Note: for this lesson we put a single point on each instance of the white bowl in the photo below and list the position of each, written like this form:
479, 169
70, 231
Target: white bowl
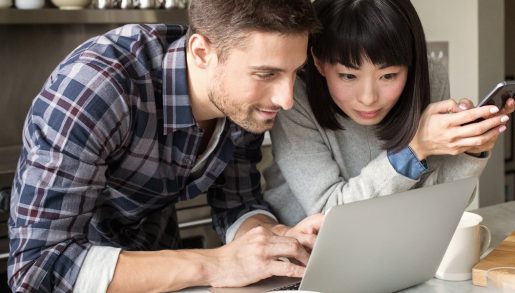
29, 4
71, 4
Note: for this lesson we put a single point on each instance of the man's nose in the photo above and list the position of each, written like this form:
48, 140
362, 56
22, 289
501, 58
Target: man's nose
283, 95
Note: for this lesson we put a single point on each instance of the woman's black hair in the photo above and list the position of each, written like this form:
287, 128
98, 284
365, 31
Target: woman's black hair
386, 32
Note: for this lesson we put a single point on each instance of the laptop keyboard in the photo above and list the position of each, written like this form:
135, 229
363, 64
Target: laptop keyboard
294, 286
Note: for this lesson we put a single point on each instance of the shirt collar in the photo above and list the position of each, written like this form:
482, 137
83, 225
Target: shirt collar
177, 112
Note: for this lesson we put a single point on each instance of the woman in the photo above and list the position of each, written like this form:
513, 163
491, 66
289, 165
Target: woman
362, 125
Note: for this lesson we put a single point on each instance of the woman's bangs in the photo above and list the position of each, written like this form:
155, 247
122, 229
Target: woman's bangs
370, 35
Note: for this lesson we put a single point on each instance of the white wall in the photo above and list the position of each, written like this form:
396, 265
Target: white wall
475, 32
454, 21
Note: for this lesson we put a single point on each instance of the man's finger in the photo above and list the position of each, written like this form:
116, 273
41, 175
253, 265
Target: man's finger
287, 247
307, 240
287, 269
311, 224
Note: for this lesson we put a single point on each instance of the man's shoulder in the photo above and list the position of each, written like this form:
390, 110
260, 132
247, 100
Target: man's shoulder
146, 43
143, 33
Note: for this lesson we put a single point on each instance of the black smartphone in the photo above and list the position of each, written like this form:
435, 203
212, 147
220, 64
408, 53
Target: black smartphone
499, 95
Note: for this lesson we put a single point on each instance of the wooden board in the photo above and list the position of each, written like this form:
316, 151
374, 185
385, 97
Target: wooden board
502, 256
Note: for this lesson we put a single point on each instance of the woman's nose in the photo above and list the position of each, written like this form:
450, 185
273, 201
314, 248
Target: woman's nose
368, 95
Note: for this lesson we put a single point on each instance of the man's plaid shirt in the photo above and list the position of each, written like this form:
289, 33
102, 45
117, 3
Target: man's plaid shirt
108, 147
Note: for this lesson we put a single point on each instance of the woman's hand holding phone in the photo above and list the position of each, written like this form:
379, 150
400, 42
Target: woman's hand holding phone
450, 128
509, 107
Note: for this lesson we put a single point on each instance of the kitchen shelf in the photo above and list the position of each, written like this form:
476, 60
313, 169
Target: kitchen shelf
92, 16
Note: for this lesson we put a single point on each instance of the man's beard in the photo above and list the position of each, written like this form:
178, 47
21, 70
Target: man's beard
238, 113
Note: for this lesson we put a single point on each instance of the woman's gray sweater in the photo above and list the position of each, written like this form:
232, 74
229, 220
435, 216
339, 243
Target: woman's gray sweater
315, 169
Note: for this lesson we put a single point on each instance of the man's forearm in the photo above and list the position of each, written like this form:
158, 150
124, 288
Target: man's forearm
248, 259
261, 220
162, 271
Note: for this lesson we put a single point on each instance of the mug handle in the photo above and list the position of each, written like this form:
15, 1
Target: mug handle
486, 244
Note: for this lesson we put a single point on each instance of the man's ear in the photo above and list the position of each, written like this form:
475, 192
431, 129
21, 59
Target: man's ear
318, 63
202, 50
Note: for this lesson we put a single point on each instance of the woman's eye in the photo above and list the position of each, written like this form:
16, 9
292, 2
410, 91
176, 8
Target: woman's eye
389, 76
346, 76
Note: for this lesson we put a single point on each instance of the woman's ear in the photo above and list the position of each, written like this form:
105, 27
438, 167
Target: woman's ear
201, 50
318, 63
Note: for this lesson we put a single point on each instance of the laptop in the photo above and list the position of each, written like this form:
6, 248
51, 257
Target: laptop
384, 244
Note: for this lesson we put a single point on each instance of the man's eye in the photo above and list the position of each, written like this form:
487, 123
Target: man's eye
268, 75
346, 76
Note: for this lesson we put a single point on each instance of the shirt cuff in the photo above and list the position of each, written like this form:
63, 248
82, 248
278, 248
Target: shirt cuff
231, 231
406, 163
97, 270
482, 155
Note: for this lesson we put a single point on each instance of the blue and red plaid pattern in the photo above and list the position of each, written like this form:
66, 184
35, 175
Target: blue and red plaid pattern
108, 147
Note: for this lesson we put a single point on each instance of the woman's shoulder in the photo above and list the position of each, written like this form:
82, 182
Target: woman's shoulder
300, 115
300, 96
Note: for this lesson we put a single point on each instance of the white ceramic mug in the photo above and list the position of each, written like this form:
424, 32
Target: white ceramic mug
465, 249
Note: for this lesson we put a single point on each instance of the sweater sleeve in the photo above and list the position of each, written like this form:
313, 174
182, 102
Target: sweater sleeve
451, 168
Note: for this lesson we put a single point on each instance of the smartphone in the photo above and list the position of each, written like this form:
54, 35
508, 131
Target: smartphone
499, 95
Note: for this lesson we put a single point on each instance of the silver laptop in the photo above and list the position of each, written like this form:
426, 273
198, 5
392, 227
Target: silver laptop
383, 244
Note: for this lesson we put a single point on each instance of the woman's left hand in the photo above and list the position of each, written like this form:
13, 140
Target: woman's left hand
491, 135
451, 128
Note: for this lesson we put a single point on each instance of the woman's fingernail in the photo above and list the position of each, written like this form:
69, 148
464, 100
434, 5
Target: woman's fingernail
505, 118
494, 110
502, 128
462, 106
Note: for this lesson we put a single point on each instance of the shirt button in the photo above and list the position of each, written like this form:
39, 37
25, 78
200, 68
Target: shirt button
187, 161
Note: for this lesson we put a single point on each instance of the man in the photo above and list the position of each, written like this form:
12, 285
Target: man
142, 117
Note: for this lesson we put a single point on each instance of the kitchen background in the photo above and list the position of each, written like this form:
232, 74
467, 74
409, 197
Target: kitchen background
473, 36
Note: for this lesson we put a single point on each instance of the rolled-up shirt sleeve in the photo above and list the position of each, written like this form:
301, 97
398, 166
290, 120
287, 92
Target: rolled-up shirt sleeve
407, 164
97, 270
74, 123
231, 231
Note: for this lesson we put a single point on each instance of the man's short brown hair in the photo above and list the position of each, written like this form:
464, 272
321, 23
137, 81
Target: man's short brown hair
226, 23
